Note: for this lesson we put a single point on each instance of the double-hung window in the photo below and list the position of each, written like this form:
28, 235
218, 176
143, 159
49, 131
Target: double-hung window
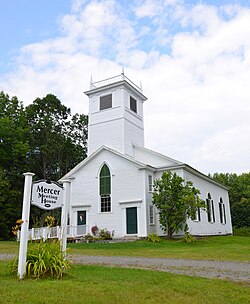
151, 214
150, 183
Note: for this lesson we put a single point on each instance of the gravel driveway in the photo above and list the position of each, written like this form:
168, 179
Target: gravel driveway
234, 271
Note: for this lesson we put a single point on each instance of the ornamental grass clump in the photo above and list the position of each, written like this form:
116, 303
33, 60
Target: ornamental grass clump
45, 259
153, 238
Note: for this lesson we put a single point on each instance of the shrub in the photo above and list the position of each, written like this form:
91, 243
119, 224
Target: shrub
44, 259
106, 234
244, 231
89, 237
188, 238
154, 238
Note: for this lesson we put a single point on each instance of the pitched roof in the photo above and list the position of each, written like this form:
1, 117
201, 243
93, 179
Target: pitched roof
142, 165
150, 155
71, 173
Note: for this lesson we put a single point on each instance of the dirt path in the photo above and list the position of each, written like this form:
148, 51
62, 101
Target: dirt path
233, 271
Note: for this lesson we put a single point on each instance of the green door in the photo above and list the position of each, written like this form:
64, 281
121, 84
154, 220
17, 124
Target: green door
131, 216
81, 218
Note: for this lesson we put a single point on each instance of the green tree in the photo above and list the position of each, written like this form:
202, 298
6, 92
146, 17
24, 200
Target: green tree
176, 201
42, 138
57, 142
239, 196
241, 213
13, 160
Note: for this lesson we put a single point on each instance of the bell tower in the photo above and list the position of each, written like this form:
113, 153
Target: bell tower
115, 115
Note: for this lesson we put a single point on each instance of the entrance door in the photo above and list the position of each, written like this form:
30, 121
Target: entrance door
81, 222
131, 217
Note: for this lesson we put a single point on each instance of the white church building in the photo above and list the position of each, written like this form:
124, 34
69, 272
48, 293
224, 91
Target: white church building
112, 188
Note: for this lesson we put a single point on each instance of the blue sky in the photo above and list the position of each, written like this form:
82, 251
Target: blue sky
27, 21
193, 58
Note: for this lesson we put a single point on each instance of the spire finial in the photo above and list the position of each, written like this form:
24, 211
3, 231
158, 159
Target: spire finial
123, 70
90, 82
141, 85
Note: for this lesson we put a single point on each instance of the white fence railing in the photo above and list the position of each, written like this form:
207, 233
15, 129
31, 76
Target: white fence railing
55, 232
112, 80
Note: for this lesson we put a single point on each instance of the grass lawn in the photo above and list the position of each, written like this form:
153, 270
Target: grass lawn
9, 247
212, 248
99, 284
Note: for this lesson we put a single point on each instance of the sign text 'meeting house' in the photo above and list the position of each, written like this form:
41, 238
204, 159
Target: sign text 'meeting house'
46, 195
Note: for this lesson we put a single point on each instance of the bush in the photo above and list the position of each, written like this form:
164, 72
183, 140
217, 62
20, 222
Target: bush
106, 234
88, 237
244, 231
154, 238
188, 238
44, 259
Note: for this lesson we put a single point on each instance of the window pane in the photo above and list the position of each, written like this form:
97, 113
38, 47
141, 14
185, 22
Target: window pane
151, 214
106, 102
133, 104
150, 183
208, 210
221, 213
105, 203
212, 203
224, 212
105, 180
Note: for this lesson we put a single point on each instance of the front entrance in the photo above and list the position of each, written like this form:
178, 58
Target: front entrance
131, 219
81, 222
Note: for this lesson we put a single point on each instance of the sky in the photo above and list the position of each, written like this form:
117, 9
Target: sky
191, 57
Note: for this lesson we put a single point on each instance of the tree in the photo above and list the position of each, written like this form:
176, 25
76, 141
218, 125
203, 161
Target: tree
42, 138
241, 213
176, 201
239, 196
13, 160
57, 143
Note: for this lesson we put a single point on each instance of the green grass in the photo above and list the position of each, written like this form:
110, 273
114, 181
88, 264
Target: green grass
211, 248
102, 285
9, 247
221, 248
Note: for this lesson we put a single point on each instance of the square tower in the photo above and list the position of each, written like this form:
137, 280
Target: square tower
115, 115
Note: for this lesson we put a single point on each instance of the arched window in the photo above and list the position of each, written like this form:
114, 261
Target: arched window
210, 209
105, 189
222, 212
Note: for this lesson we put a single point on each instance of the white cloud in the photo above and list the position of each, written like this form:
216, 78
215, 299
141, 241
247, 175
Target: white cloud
194, 71
148, 8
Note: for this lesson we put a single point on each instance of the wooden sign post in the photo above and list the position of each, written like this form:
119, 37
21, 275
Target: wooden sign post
25, 225
48, 196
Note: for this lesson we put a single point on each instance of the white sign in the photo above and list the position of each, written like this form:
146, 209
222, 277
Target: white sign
47, 195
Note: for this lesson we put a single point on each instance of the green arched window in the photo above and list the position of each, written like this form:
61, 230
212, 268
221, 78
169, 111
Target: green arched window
105, 185
210, 209
222, 211
105, 189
